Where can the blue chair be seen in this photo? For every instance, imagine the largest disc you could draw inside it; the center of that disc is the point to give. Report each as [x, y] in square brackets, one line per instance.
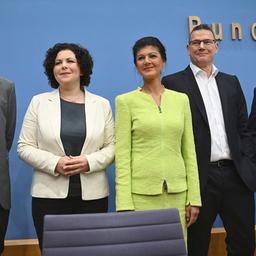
[138, 233]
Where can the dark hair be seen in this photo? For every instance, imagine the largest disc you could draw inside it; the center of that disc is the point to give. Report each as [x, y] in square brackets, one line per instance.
[83, 57]
[201, 27]
[149, 41]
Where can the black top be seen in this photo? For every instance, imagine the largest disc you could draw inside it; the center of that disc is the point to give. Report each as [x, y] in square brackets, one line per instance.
[73, 134]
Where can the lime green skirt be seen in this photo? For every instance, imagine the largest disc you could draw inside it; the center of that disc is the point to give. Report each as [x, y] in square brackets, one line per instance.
[163, 201]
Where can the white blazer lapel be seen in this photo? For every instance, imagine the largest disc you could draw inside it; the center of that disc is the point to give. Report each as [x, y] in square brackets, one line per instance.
[90, 116]
[55, 116]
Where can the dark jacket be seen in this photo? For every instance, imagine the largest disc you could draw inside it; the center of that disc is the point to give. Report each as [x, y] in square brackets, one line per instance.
[235, 119]
[7, 128]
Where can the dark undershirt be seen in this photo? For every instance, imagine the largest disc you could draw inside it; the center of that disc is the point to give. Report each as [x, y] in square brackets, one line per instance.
[73, 134]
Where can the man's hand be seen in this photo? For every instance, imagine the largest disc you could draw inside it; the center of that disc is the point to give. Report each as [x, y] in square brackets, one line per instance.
[192, 213]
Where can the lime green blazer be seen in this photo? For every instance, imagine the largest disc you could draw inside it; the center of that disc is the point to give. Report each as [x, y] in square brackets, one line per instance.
[154, 145]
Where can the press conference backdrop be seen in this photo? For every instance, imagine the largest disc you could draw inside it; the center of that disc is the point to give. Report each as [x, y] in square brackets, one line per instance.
[108, 28]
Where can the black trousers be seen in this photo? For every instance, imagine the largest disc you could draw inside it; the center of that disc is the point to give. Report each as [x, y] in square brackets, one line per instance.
[70, 205]
[225, 194]
[4, 217]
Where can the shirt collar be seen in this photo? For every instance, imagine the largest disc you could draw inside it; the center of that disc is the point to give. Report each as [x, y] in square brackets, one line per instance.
[196, 70]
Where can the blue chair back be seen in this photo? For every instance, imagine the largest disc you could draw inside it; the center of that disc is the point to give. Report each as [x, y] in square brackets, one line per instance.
[138, 233]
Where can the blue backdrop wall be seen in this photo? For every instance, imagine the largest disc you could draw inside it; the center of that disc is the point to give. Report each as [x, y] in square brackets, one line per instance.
[108, 28]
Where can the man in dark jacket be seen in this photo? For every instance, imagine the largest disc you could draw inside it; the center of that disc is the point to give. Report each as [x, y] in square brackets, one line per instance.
[227, 176]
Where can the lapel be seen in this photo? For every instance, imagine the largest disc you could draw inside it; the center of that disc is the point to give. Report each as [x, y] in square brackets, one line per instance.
[223, 96]
[90, 112]
[195, 93]
[55, 115]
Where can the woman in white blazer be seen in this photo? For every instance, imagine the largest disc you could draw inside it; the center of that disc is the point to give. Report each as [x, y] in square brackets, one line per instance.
[67, 137]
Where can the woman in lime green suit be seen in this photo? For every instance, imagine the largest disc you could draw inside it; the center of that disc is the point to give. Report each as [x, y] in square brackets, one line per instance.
[155, 153]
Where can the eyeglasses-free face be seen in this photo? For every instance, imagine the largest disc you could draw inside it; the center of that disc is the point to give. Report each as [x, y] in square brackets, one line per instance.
[149, 62]
[66, 69]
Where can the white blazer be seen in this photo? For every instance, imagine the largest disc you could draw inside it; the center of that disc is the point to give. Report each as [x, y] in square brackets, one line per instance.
[40, 146]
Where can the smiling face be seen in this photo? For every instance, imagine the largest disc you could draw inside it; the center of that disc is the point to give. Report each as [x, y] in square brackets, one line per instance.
[202, 48]
[149, 62]
[66, 69]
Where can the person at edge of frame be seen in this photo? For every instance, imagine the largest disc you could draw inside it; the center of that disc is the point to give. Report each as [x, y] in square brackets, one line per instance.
[223, 147]
[7, 130]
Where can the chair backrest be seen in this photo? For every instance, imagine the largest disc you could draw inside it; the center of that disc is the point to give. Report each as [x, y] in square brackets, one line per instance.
[149, 233]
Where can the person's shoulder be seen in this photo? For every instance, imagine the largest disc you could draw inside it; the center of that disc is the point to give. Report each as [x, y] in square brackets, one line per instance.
[127, 95]
[228, 79]
[96, 98]
[177, 95]
[176, 74]
[44, 96]
[5, 83]
[226, 75]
